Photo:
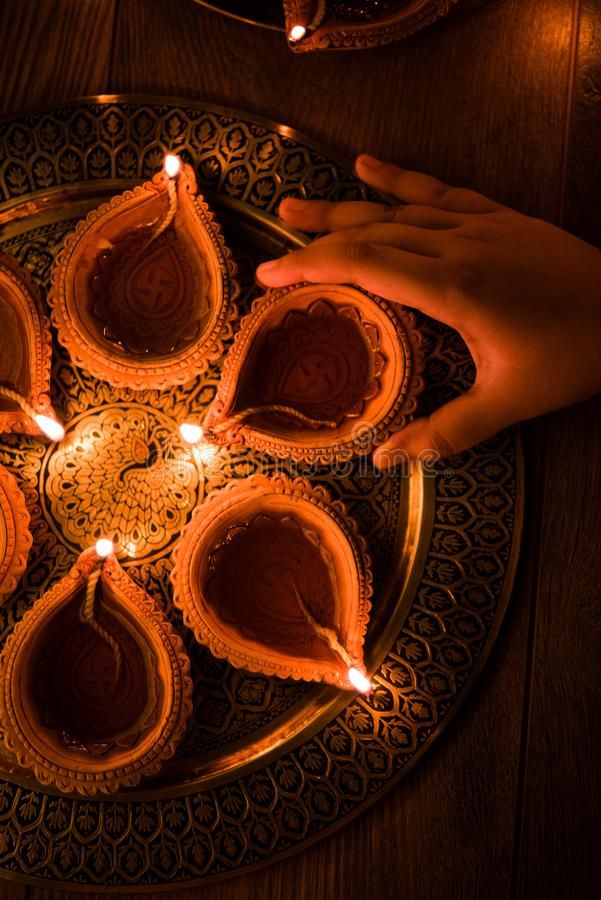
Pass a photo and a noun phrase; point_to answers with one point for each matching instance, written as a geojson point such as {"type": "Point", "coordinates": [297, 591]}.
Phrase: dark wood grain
{"type": "Point", "coordinates": [479, 100]}
{"type": "Point", "coordinates": [52, 50]}
{"type": "Point", "coordinates": [583, 168]}
{"type": "Point", "coordinates": [10, 891]}
{"type": "Point", "coordinates": [505, 805]}
{"type": "Point", "coordinates": [560, 814]}
{"type": "Point", "coordinates": [560, 821]}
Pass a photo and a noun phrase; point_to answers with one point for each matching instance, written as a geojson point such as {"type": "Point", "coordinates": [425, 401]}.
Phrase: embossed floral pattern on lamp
{"type": "Point", "coordinates": [95, 691]}
{"type": "Point", "coordinates": [318, 373]}
{"type": "Point", "coordinates": [273, 576]}
{"type": "Point", "coordinates": [15, 537]}
{"type": "Point", "coordinates": [25, 354]}
{"type": "Point", "coordinates": [144, 291]}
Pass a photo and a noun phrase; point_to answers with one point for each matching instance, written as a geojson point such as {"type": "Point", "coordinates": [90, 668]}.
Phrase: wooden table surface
{"type": "Point", "coordinates": [508, 101]}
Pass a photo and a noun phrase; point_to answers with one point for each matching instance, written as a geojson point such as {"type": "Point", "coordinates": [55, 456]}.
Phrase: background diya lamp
{"type": "Point", "coordinates": [272, 575]}
{"type": "Point", "coordinates": [144, 292]}
{"type": "Point", "coordinates": [357, 24]}
{"type": "Point", "coordinates": [25, 355]}
{"type": "Point", "coordinates": [318, 373]}
{"type": "Point", "coordinates": [15, 536]}
{"type": "Point", "coordinates": [95, 691]}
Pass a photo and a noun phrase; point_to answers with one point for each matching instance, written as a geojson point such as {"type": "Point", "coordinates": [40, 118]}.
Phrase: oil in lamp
{"type": "Point", "coordinates": [272, 575]}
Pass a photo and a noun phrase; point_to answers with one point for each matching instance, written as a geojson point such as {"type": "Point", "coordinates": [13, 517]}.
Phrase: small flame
{"type": "Point", "coordinates": [297, 33]}
{"type": "Point", "coordinates": [104, 547]}
{"type": "Point", "coordinates": [191, 433]}
{"type": "Point", "coordinates": [51, 428]}
{"type": "Point", "coordinates": [359, 680]}
{"type": "Point", "coordinates": [172, 165]}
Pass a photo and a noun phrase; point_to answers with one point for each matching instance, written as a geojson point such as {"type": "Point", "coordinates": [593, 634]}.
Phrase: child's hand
{"type": "Point", "coordinates": [524, 295]}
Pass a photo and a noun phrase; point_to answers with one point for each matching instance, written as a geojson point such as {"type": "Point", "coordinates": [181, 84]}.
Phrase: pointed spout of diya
{"type": "Point", "coordinates": [356, 676]}
{"type": "Point", "coordinates": [52, 428]}
{"type": "Point", "coordinates": [303, 17]}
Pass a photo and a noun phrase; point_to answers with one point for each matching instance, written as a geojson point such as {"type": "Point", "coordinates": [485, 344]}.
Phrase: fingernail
{"type": "Point", "coordinates": [388, 456]}
{"type": "Point", "coordinates": [267, 266]}
{"type": "Point", "coordinates": [370, 162]}
{"type": "Point", "coordinates": [292, 204]}
{"type": "Point", "coordinates": [378, 458]}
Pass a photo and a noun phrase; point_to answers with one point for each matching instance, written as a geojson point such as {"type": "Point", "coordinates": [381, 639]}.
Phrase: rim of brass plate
{"type": "Point", "coordinates": [503, 598]}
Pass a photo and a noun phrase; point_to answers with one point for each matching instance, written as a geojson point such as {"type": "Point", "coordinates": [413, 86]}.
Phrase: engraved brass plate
{"type": "Point", "coordinates": [267, 765]}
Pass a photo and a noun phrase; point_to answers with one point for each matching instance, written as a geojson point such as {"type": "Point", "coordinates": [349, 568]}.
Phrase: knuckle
{"type": "Point", "coordinates": [392, 213]}
{"type": "Point", "coordinates": [464, 277]}
{"type": "Point", "coordinates": [358, 252]}
{"type": "Point", "coordinates": [439, 443]}
{"type": "Point", "coordinates": [440, 193]}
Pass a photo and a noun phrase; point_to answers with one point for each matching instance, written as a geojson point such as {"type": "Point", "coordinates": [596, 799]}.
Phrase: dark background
{"type": "Point", "coordinates": [508, 101]}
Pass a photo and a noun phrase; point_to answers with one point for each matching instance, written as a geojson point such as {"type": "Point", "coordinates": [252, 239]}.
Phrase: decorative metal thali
{"type": "Point", "coordinates": [267, 766]}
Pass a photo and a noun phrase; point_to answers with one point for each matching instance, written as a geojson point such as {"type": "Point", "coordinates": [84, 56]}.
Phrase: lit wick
{"type": "Point", "coordinates": [171, 167]}
{"type": "Point", "coordinates": [104, 549]}
{"type": "Point", "coordinates": [271, 408]}
{"type": "Point", "coordinates": [357, 678]}
{"type": "Point", "coordinates": [191, 433]}
{"type": "Point", "coordinates": [297, 33]}
{"type": "Point", "coordinates": [51, 428]}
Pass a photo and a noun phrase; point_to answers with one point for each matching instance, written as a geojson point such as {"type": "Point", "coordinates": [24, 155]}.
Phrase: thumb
{"type": "Point", "coordinates": [458, 425]}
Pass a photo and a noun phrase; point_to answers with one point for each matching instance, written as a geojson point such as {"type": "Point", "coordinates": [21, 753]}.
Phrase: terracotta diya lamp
{"type": "Point", "coordinates": [143, 292]}
{"type": "Point", "coordinates": [25, 356]}
{"type": "Point", "coordinates": [95, 691]}
{"type": "Point", "coordinates": [318, 373]}
{"type": "Point", "coordinates": [357, 24]}
{"type": "Point", "coordinates": [272, 575]}
{"type": "Point", "coordinates": [15, 537]}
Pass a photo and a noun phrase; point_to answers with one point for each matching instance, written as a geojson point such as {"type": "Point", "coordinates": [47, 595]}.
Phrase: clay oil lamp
{"type": "Point", "coordinates": [95, 691]}
{"type": "Point", "coordinates": [272, 575]}
{"type": "Point", "coordinates": [25, 355]}
{"type": "Point", "coordinates": [317, 373]}
{"type": "Point", "coordinates": [356, 24]}
{"type": "Point", "coordinates": [15, 537]}
{"type": "Point", "coordinates": [143, 293]}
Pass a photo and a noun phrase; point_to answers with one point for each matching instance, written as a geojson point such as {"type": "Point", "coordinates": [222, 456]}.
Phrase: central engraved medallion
{"type": "Point", "coordinates": [122, 472]}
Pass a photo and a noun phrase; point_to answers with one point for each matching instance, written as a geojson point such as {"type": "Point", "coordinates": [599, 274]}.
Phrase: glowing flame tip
{"type": "Point", "coordinates": [359, 680]}
{"type": "Point", "coordinates": [191, 433]}
{"type": "Point", "coordinates": [297, 33]}
{"type": "Point", "coordinates": [104, 547]}
{"type": "Point", "coordinates": [51, 428]}
{"type": "Point", "coordinates": [172, 165]}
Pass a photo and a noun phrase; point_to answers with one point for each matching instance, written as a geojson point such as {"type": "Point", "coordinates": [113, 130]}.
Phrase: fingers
{"type": "Point", "coordinates": [421, 241]}
{"type": "Point", "coordinates": [413, 187]}
{"type": "Point", "coordinates": [458, 425]}
{"type": "Point", "coordinates": [321, 215]}
{"type": "Point", "coordinates": [398, 275]}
